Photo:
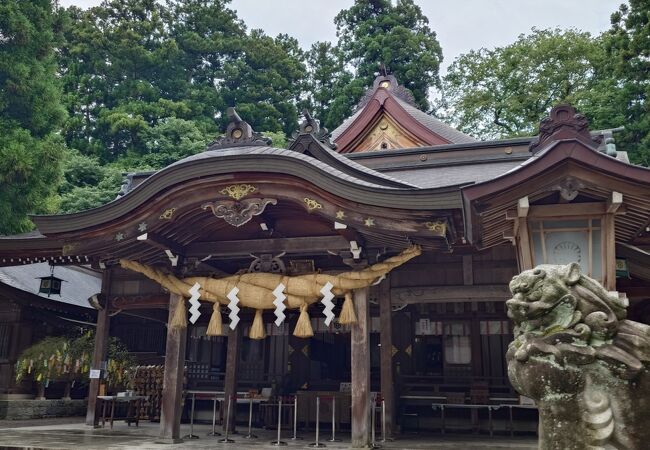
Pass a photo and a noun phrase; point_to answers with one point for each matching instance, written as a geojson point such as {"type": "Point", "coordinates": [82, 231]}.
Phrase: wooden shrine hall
{"type": "Point", "coordinates": [375, 258]}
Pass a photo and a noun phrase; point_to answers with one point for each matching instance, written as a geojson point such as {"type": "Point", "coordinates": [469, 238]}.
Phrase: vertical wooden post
{"type": "Point", "coordinates": [525, 251]}
{"type": "Point", "coordinates": [386, 355]}
{"type": "Point", "coordinates": [360, 360]}
{"type": "Point", "coordinates": [172, 394]}
{"type": "Point", "coordinates": [610, 252]}
{"type": "Point", "coordinates": [230, 383]}
{"type": "Point", "coordinates": [524, 248]}
{"type": "Point", "coordinates": [100, 349]}
{"type": "Point", "coordinates": [468, 270]}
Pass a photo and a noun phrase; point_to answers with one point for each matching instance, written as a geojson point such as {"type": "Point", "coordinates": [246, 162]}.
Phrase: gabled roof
{"type": "Point", "coordinates": [388, 98]}
{"type": "Point", "coordinates": [312, 140]}
{"type": "Point", "coordinates": [564, 152]}
{"type": "Point", "coordinates": [436, 125]}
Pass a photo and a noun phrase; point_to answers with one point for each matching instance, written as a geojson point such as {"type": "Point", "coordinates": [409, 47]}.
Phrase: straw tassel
{"type": "Point", "coordinates": [303, 326]}
{"type": "Point", "coordinates": [348, 314]}
{"type": "Point", "coordinates": [257, 330]}
{"type": "Point", "coordinates": [179, 320]}
{"type": "Point", "coordinates": [215, 327]}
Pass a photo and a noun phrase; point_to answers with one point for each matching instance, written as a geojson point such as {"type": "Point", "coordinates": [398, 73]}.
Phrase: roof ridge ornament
{"type": "Point", "coordinates": [563, 122]}
{"type": "Point", "coordinates": [311, 125]}
{"type": "Point", "coordinates": [387, 81]}
{"type": "Point", "coordinates": [238, 133]}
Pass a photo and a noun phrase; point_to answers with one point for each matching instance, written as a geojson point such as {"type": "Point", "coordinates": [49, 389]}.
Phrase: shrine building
{"type": "Point", "coordinates": [372, 259]}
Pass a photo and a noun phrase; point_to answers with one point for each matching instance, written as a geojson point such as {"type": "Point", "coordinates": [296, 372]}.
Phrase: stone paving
{"type": "Point", "coordinates": [79, 436]}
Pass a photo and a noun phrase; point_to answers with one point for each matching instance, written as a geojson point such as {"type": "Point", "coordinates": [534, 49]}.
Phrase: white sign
{"type": "Point", "coordinates": [95, 374]}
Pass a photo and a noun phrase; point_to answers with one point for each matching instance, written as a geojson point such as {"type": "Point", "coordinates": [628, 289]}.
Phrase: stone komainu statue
{"type": "Point", "coordinates": [583, 363]}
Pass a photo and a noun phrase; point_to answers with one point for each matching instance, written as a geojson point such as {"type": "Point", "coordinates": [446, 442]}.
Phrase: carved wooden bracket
{"type": "Point", "coordinates": [237, 213]}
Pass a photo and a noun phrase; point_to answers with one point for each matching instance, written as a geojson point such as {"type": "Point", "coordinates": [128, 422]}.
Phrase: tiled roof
{"type": "Point", "coordinates": [436, 125]}
{"type": "Point", "coordinates": [262, 150]}
{"type": "Point", "coordinates": [29, 235]}
{"type": "Point", "coordinates": [344, 126]}
{"type": "Point", "coordinates": [444, 175]}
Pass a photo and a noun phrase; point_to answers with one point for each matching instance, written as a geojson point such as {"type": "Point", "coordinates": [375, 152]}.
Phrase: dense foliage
{"type": "Point", "coordinates": [506, 91]}
{"type": "Point", "coordinates": [133, 85]}
{"type": "Point", "coordinates": [396, 34]}
{"type": "Point", "coordinates": [628, 48]}
{"type": "Point", "coordinates": [31, 112]}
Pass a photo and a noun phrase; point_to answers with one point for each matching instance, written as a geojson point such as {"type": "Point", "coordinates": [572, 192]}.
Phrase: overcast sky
{"type": "Point", "coordinates": [461, 25]}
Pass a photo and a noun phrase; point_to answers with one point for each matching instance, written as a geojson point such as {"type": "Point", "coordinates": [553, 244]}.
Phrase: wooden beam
{"type": "Point", "coordinates": [468, 270]}
{"type": "Point", "coordinates": [172, 394]}
{"type": "Point", "coordinates": [614, 202]}
{"type": "Point", "coordinates": [128, 302]}
{"type": "Point", "coordinates": [565, 210]}
{"type": "Point", "coordinates": [360, 361]}
{"type": "Point", "coordinates": [100, 351]}
{"type": "Point", "coordinates": [437, 294]}
{"type": "Point", "coordinates": [522, 207]}
{"type": "Point", "coordinates": [161, 242]}
{"type": "Point", "coordinates": [227, 249]}
{"type": "Point", "coordinates": [386, 355]}
{"type": "Point", "coordinates": [232, 369]}
{"type": "Point", "coordinates": [524, 249]}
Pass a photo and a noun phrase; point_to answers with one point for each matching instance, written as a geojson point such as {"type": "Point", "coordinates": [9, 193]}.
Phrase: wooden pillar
{"type": "Point", "coordinates": [475, 325]}
{"type": "Point", "coordinates": [230, 383]}
{"type": "Point", "coordinates": [524, 248]}
{"type": "Point", "coordinates": [172, 394]}
{"type": "Point", "coordinates": [100, 350]}
{"type": "Point", "coordinates": [360, 360]}
{"type": "Point", "coordinates": [610, 252]}
{"type": "Point", "coordinates": [386, 355]}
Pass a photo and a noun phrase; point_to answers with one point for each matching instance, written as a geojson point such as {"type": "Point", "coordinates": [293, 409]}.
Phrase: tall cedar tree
{"type": "Point", "coordinates": [119, 73]}
{"type": "Point", "coordinates": [30, 112]}
{"type": "Point", "coordinates": [377, 31]}
{"type": "Point", "coordinates": [628, 47]}
{"type": "Point", "coordinates": [330, 88]}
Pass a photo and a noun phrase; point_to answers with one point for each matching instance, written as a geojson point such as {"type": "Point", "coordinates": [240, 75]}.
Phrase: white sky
{"type": "Point", "coordinates": [461, 26]}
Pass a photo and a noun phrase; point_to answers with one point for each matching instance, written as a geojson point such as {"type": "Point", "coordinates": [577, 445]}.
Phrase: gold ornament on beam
{"type": "Point", "coordinates": [312, 204]}
{"type": "Point", "coordinates": [438, 227]}
{"type": "Point", "coordinates": [167, 214]}
{"type": "Point", "coordinates": [238, 191]}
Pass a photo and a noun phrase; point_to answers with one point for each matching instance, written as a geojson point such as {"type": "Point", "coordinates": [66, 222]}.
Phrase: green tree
{"type": "Point", "coordinates": [209, 35]}
{"type": "Point", "coordinates": [505, 92]}
{"type": "Point", "coordinates": [130, 66]}
{"type": "Point", "coordinates": [628, 49]}
{"type": "Point", "coordinates": [119, 66]}
{"type": "Point", "coordinates": [327, 82]}
{"type": "Point", "coordinates": [170, 140]}
{"type": "Point", "coordinates": [30, 112]}
{"type": "Point", "coordinates": [87, 183]}
{"type": "Point", "coordinates": [265, 82]}
{"type": "Point", "coordinates": [377, 31]}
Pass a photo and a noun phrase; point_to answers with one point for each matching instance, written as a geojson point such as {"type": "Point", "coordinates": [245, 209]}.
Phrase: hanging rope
{"type": "Point", "coordinates": [256, 291]}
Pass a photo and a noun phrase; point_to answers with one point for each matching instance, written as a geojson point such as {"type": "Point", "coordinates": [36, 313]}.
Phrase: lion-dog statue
{"type": "Point", "coordinates": [582, 362]}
